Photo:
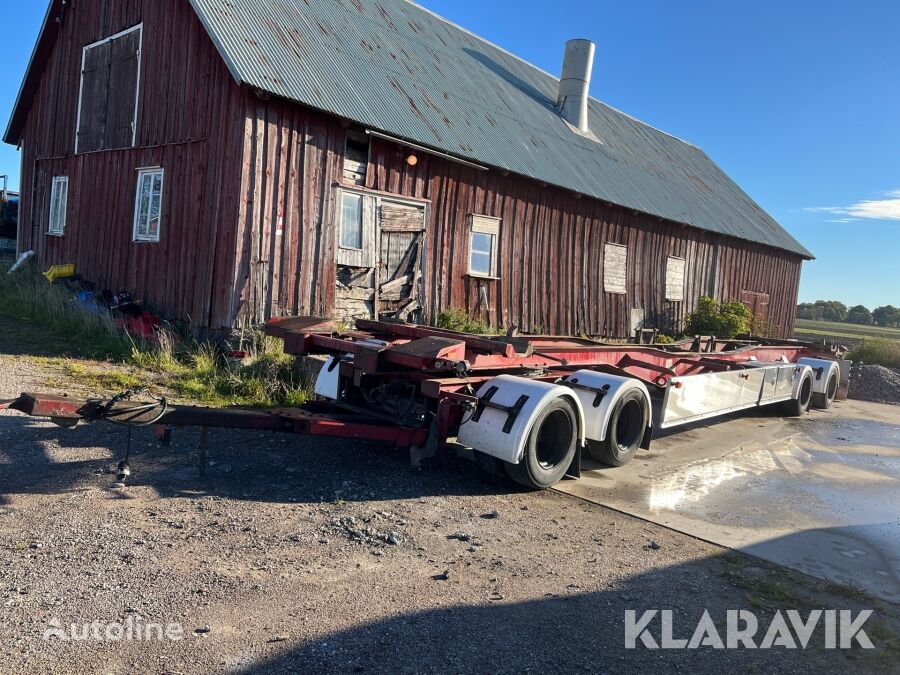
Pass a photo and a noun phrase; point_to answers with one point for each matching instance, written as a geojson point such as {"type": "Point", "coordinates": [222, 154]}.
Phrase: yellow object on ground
{"type": "Point", "coordinates": [60, 272]}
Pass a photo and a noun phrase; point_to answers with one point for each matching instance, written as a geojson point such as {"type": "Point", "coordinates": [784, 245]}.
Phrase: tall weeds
{"type": "Point", "coordinates": [200, 371]}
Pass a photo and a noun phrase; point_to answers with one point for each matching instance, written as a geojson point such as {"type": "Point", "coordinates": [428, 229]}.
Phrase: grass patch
{"type": "Point", "coordinates": [458, 320]}
{"type": "Point", "coordinates": [843, 330]}
{"type": "Point", "coordinates": [847, 591]}
{"type": "Point", "coordinates": [100, 378]}
{"type": "Point", "coordinates": [27, 296]}
{"type": "Point", "coordinates": [877, 351]}
{"type": "Point", "coordinates": [196, 371]}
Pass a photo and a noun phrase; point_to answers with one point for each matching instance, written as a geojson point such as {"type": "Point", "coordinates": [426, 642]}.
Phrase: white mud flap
{"type": "Point", "coordinates": [599, 393]}
{"type": "Point", "coordinates": [329, 380]}
{"type": "Point", "coordinates": [507, 408]}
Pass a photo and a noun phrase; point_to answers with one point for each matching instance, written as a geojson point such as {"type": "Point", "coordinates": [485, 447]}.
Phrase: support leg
{"type": "Point", "coordinates": [418, 454]}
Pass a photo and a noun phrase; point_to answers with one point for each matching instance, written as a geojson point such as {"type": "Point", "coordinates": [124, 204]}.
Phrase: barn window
{"type": "Point", "coordinates": [148, 204]}
{"type": "Point", "coordinates": [107, 104]}
{"type": "Point", "coordinates": [615, 263]}
{"type": "Point", "coordinates": [351, 220]}
{"type": "Point", "coordinates": [483, 239]}
{"type": "Point", "coordinates": [675, 279]}
{"type": "Point", "coordinates": [59, 200]}
{"type": "Point", "coordinates": [356, 157]}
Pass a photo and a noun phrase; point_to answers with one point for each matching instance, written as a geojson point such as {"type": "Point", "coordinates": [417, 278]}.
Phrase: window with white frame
{"type": "Point", "coordinates": [351, 220]}
{"type": "Point", "coordinates": [148, 204]}
{"type": "Point", "coordinates": [483, 241]}
{"type": "Point", "coordinates": [615, 266]}
{"type": "Point", "coordinates": [675, 279]}
{"type": "Point", "coordinates": [59, 200]}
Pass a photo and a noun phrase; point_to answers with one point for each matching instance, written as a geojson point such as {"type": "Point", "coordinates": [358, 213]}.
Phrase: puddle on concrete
{"type": "Point", "coordinates": [850, 431]}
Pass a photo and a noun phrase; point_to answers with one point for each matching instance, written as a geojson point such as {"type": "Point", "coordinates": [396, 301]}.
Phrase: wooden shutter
{"type": "Point", "coordinates": [94, 88]}
{"type": "Point", "coordinates": [122, 96]}
{"type": "Point", "coordinates": [109, 83]}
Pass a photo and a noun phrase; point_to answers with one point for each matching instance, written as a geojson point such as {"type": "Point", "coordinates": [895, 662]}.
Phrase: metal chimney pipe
{"type": "Point", "coordinates": [575, 82]}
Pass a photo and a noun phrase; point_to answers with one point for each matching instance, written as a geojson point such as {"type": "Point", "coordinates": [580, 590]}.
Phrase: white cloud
{"type": "Point", "coordinates": [877, 209]}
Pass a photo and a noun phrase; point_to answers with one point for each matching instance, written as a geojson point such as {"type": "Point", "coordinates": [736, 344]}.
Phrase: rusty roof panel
{"type": "Point", "coordinates": [396, 67]}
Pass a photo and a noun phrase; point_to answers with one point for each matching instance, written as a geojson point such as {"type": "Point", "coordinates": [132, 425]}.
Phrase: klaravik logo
{"type": "Point", "coordinates": [835, 629]}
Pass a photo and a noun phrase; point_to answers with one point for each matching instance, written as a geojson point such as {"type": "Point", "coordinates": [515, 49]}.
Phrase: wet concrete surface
{"type": "Point", "coordinates": [819, 494]}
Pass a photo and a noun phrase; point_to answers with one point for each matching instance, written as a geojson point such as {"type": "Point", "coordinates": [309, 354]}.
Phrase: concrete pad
{"type": "Point", "coordinates": [820, 494]}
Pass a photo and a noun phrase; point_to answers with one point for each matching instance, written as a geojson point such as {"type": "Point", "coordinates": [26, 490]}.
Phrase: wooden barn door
{"type": "Point", "coordinates": [399, 272]}
{"type": "Point", "coordinates": [757, 302]}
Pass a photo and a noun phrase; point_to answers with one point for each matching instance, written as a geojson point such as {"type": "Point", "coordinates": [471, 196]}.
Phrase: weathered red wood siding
{"type": "Point", "coordinates": [292, 159]}
{"type": "Point", "coordinates": [189, 122]}
{"type": "Point", "coordinates": [550, 251]}
{"type": "Point", "coordinates": [551, 248]}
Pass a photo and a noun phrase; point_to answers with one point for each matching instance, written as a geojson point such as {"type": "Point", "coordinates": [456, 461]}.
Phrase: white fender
{"type": "Point", "coordinates": [799, 372]}
{"type": "Point", "coordinates": [486, 433]}
{"type": "Point", "coordinates": [822, 370]}
{"type": "Point", "coordinates": [328, 381]}
{"type": "Point", "coordinates": [589, 386]}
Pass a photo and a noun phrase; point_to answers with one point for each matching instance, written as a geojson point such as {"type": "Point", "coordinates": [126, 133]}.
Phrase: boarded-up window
{"type": "Point", "coordinates": [615, 263]}
{"type": "Point", "coordinates": [107, 107]}
{"type": "Point", "coordinates": [59, 199]}
{"type": "Point", "coordinates": [356, 157]}
{"type": "Point", "coordinates": [675, 279]}
{"type": "Point", "coordinates": [483, 240]}
{"type": "Point", "coordinates": [148, 205]}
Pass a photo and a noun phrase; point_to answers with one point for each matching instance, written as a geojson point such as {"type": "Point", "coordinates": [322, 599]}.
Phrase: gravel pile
{"type": "Point", "coordinates": [875, 383]}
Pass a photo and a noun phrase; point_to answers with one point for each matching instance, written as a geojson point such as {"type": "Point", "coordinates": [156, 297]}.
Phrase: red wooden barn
{"type": "Point", "coordinates": [230, 161]}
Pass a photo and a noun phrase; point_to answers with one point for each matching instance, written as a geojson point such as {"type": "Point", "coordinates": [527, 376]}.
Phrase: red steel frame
{"type": "Point", "coordinates": [448, 366]}
{"type": "Point", "coordinates": [445, 366]}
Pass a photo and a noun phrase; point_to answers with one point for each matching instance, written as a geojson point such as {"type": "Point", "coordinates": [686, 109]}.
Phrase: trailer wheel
{"type": "Point", "coordinates": [550, 447]}
{"type": "Point", "coordinates": [627, 424]}
{"type": "Point", "coordinates": [826, 398]}
{"type": "Point", "coordinates": [797, 406]}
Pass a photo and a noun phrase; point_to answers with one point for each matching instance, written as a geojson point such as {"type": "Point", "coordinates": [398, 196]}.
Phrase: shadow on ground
{"type": "Point", "coordinates": [39, 458]}
{"type": "Point", "coordinates": [585, 632]}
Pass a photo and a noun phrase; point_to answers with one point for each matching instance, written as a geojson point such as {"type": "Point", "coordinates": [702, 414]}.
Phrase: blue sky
{"type": "Point", "coordinates": [798, 101]}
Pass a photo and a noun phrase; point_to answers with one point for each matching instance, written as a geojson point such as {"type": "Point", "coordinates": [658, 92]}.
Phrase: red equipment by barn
{"type": "Point", "coordinates": [528, 404]}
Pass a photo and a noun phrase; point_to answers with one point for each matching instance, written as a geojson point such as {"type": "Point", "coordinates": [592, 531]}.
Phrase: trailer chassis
{"type": "Point", "coordinates": [529, 405]}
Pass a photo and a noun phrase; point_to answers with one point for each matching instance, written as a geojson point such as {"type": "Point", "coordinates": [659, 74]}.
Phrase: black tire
{"type": "Point", "coordinates": [825, 400]}
{"type": "Point", "coordinates": [798, 406]}
{"type": "Point", "coordinates": [627, 425]}
{"type": "Point", "coordinates": [550, 447]}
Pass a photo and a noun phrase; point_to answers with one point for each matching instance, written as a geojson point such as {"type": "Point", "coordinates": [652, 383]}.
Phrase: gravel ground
{"type": "Point", "coordinates": [304, 555]}
{"type": "Point", "coordinates": [875, 383]}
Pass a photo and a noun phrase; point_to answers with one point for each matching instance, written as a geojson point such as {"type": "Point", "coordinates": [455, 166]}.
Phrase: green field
{"type": "Point", "coordinates": [846, 333]}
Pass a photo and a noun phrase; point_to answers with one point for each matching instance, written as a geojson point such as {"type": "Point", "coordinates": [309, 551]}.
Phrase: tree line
{"type": "Point", "coordinates": [832, 310]}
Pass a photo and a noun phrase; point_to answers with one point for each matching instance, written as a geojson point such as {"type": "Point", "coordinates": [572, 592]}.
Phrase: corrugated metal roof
{"type": "Point", "coordinates": [396, 67]}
